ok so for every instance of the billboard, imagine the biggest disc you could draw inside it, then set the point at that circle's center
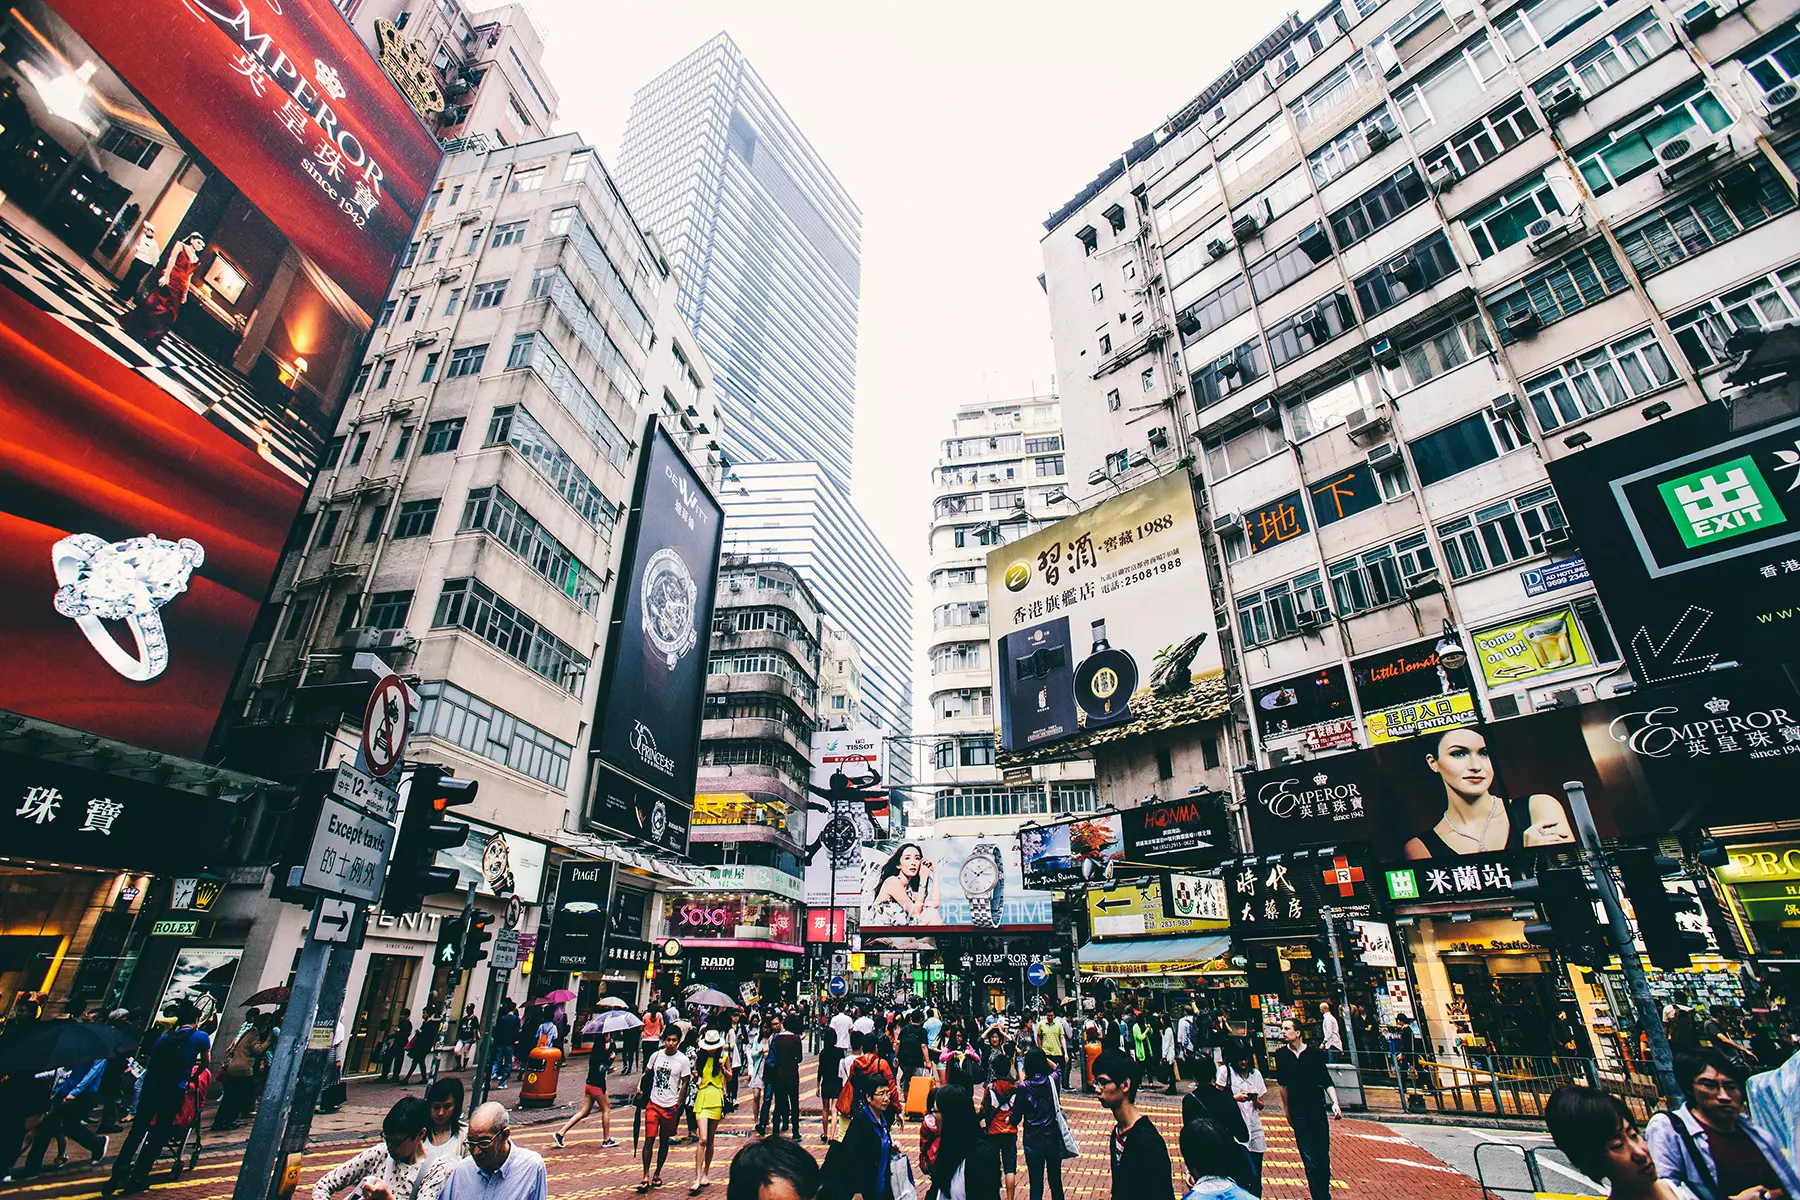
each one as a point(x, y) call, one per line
point(1186, 832)
point(835, 840)
point(577, 938)
point(1532, 648)
point(1074, 852)
point(1182, 906)
point(1694, 551)
point(1718, 750)
point(1284, 896)
point(498, 863)
point(950, 883)
point(1101, 624)
point(647, 720)
point(164, 419)
point(1406, 692)
point(1320, 700)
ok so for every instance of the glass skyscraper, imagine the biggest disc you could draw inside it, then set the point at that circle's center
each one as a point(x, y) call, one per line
point(767, 247)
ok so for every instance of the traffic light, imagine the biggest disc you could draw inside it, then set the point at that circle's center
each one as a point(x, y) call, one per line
point(476, 936)
point(412, 870)
point(1643, 871)
point(449, 943)
point(1566, 923)
point(1713, 853)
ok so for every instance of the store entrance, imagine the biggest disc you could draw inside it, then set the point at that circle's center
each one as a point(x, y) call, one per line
point(386, 988)
point(1509, 1010)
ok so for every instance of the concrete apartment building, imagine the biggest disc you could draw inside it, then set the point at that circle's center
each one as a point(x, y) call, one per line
point(840, 677)
point(1370, 280)
point(1000, 474)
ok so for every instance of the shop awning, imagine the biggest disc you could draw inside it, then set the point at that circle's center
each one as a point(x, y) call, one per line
point(1168, 956)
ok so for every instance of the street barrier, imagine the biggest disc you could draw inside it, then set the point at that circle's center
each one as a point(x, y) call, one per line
point(1504, 1085)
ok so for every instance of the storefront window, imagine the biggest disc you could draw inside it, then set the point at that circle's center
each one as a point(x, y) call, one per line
point(716, 915)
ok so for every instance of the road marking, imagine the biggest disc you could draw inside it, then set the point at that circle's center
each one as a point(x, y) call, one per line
point(1376, 1137)
point(1407, 1162)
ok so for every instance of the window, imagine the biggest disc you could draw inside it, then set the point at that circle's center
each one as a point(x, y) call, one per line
point(1576, 280)
point(326, 530)
point(972, 612)
point(1118, 462)
point(1408, 274)
point(417, 517)
point(969, 702)
point(487, 295)
point(387, 610)
point(1099, 293)
point(1365, 581)
point(1456, 80)
point(1500, 534)
point(432, 245)
point(1106, 343)
point(591, 332)
point(1219, 378)
point(386, 315)
point(455, 195)
point(1043, 445)
point(466, 361)
point(1324, 407)
point(1113, 403)
point(1503, 221)
point(1333, 90)
point(1234, 544)
point(1611, 59)
point(962, 656)
point(470, 604)
point(1698, 222)
point(1043, 467)
point(1599, 379)
point(358, 446)
point(1702, 332)
point(297, 615)
point(402, 442)
point(1478, 438)
point(1487, 139)
point(452, 301)
point(430, 369)
point(1536, 26)
point(510, 234)
point(1147, 379)
point(1213, 310)
point(1624, 153)
point(442, 436)
point(1242, 449)
point(387, 372)
point(122, 143)
point(1445, 350)
point(1310, 328)
point(1287, 265)
point(1378, 207)
point(1349, 147)
point(1253, 149)
point(1269, 615)
point(412, 253)
point(334, 450)
point(1391, 479)
point(1089, 237)
point(448, 712)
point(1777, 65)
point(492, 511)
point(529, 180)
point(378, 515)
point(412, 307)
point(362, 378)
point(474, 242)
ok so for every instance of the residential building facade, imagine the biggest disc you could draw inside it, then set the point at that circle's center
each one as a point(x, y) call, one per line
point(840, 678)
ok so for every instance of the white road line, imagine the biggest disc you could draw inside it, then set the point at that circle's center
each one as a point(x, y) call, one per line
point(1407, 1162)
point(1376, 1137)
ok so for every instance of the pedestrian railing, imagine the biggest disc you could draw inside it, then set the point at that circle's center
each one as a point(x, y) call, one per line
point(1505, 1169)
point(1499, 1085)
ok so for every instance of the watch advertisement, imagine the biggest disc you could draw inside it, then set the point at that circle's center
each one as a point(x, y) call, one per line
point(498, 863)
point(1095, 624)
point(647, 722)
point(204, 203)
point(950, 883)
point(577, 938)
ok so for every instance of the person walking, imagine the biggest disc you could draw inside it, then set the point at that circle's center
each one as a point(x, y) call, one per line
point(71, 1099)
point(666, 1075)
point(1050, 1039)
point(1596, 1132)
point(593, 1094)
point(968, 1163)
point(1035, 1108)
point(998, 1125)
point(242, 1060)
point(1710, 1144)
point(496, 1168)
point(468, 1033)
point(1331, 1033)
point(393, 1047)
point(1140, 1158)
point(1244, 1083)
point(783, 1078)
point(445, 1098)
point(1306, 1089)
point(424, 1041)
point(712, 1071)
point(396, 1168)
point(858, 1166)
point(756, 1061)
point(506, 1036)
point(910, 1051)
point(167, 1073)
point(1208, 1153)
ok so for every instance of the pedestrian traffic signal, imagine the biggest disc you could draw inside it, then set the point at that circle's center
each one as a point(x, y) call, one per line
point(476, 935)
point(1566, 921)
point(413, 873)
point(449, 943)
point(1668, 945)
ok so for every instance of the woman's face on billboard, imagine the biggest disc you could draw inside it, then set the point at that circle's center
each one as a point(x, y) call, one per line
point(910, 858)
point(1462, 760)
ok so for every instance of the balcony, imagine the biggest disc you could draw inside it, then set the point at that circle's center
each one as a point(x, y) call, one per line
point(758, 729)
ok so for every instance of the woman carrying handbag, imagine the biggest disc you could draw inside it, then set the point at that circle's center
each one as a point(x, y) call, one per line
point(1037, 1108)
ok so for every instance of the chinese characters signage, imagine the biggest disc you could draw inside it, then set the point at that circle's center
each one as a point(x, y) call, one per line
point(1145, 909)
point(1283, 896)
point(1471, 877)
point(1307, 803)
point(1407, 692)
point(1319, 699)
point(1088, 611)
point(1419, 718)
point(1276, 522)
point(1527, 649)
point(1344, 495)
point(56, 813)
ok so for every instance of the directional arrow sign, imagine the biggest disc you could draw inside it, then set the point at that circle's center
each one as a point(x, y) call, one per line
point(1115, 902)
point(1656, 662)
point(334, 920)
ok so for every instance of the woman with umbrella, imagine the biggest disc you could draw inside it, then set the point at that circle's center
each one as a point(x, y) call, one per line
point(600, 1064)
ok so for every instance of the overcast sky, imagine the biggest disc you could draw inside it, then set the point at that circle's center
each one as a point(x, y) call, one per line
point(957, 128)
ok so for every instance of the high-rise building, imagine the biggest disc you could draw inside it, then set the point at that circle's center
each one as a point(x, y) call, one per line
point(840, 678)
point(789, 511)
point(768, 248)
point(999, 475)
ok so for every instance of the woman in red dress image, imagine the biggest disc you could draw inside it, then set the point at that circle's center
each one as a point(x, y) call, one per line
point(154, 314)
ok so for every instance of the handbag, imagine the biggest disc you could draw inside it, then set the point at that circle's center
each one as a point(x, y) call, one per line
point(1071, 1147)
point(900, 1180)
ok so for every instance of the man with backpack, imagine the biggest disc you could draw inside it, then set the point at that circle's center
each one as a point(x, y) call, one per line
point(167, 1075)
point(912, 1045)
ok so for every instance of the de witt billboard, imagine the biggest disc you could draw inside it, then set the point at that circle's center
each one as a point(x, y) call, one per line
point(647, 724)
point(1103, 620)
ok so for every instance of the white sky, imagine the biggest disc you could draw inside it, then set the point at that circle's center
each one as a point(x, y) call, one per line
point(957, 128)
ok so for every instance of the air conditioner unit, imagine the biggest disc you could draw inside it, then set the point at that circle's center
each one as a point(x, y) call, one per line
point(1404, 268)
point(1226, 367)
point(1308, 618)
point(1140, 458)
point(1218, 248)
point(1563, 99)
point(1096, 478)
point(1377, 135)
point(1547, 232)
point(1382, 350)
point(1420, 583)
point(1783, 103)
point(1365, 421)
point(737, 585)
point(1522, 322)
point(1262, 410)
point(1158, 437)
point(1314, 321)
point(1281, 756)
point(1558, 537)
point(1443, 174)
point(965, 693)
point(1680, 156)
point(1245, 228)
point(1226, 522)
point(362, 638)
point(1315, 241)
point(392, 639)
point(1387, 58)
point(1706, 15)
point(1382, 455)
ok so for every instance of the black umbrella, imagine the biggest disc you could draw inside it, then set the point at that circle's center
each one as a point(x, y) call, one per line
point(62, 1043)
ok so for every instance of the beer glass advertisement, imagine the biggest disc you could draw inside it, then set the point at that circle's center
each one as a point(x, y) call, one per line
point(1696, 552)
point(837, 832)
point(1101, 623)
point(646, 741)
point(950, 883)
point(201, 204)
point(1533, 648)
point(1710, 751)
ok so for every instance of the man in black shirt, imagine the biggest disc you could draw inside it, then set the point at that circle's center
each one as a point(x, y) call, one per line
point(1305, 1090)
point(1140, 1157)
point(912, 1044)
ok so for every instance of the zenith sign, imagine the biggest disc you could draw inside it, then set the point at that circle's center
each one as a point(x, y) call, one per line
point(1345, 876)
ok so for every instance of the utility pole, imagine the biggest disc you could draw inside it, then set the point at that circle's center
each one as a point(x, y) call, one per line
point(265, 1164)
point(1630, 965)
point(1337, 962)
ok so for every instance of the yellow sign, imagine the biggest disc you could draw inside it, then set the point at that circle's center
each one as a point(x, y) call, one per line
point(1777, 862)
point(1525, 649)
point(290, 1175)
point(1136, 910)
point(736, 808)
point(1421, 716)
point(858, 962)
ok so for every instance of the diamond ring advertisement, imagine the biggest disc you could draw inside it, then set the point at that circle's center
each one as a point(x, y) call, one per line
point(125, 581)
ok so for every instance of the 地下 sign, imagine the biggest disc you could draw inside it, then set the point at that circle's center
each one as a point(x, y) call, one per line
point(1276, 522)
point(1351, 492)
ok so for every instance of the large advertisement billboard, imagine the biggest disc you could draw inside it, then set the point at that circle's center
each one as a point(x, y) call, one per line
point(1707, 752)
point(647, 724)
point(1102, 623)
point(950, 883)
point(203, 204)
point(1693, 550)
point(578, 923)
point(835, 838)
point(1186, 832)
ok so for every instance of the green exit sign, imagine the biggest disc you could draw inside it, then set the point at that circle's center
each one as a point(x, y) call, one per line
point(1402, 884)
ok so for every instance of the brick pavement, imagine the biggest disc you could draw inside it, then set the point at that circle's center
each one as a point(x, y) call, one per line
point(1368, 1159)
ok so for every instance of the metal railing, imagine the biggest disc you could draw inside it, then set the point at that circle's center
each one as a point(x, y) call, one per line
point(1499, 1085)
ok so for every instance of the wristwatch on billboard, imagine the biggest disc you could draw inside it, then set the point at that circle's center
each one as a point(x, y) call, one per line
point(982, 881)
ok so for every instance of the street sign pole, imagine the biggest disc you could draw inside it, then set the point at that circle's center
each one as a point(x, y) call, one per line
point(1337, 961)
point(264, 1158)
point(315, 1061)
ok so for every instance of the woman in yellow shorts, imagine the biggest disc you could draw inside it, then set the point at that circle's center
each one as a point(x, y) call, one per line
point(710, 1072)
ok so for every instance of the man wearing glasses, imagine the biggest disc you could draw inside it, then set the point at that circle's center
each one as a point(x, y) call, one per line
point(1140, 1157)
point(1710, 1145)
point(496, 1169)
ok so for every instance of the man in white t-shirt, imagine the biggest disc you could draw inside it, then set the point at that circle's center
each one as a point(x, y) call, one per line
point(864, 1023)
point(840, 1029)
point(669, 1071)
